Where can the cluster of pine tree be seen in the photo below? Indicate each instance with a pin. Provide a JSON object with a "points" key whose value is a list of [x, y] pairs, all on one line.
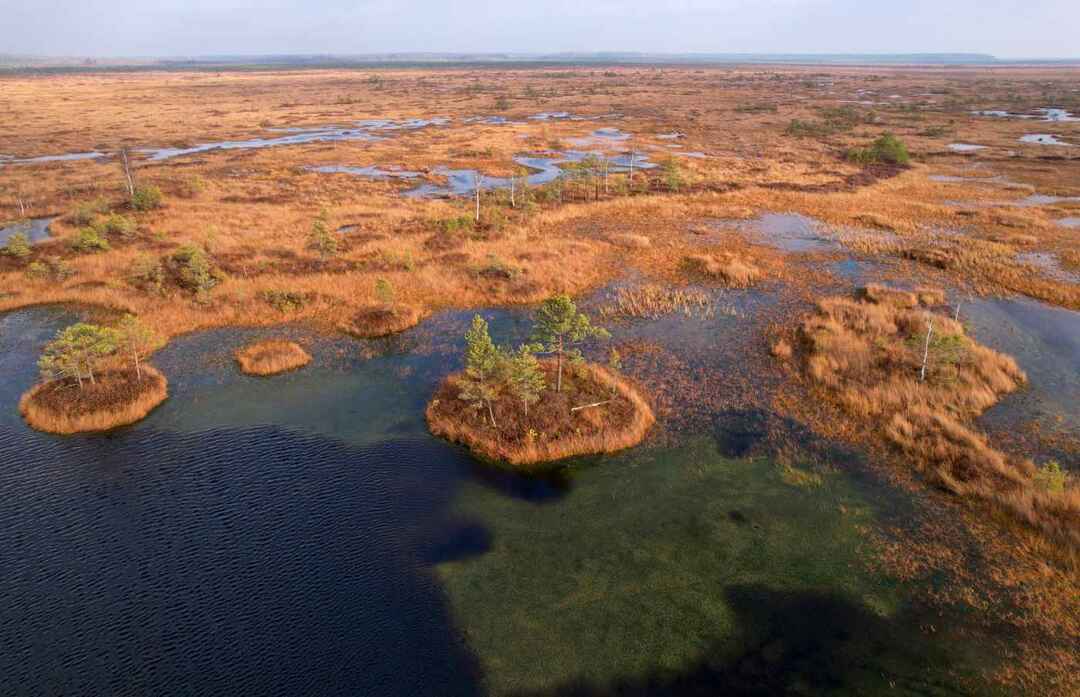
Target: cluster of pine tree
{"points": [[492, 372]]}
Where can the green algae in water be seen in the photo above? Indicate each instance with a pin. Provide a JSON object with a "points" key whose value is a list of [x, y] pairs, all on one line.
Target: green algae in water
{"points": [[663, 566]]}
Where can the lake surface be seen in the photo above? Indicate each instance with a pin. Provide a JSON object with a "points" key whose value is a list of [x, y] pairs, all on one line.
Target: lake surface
{"points": [[306, 535]]}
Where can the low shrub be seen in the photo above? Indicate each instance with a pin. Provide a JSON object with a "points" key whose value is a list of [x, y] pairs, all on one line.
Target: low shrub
{"points": [[284, 300], [90, 240], [85, 213], [193, 269], [115, 224], [146, 198], [18, 246], [147, 273], [888, 149]]}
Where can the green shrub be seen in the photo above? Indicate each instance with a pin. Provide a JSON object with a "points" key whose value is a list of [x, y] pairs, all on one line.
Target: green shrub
{"points": [[38, 271], [384, 291], [85, 213], [146, 273], [194, 270], [887, 149], [672, 174], [18, 246], [115, 224], [322, 240], [52, 268], [1051, 477], [192, 186], [462, 223], [146, 198], [90, 240], [284, 300]]}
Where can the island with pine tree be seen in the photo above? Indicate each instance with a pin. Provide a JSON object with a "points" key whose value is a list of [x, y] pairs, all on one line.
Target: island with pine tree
{"points": [[512, 406], [95, 378]]}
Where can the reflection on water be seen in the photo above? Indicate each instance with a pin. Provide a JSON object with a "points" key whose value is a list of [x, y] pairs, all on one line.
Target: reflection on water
{"points": [[1043, 139], [264, 536], [462, 182], [36, 230], [1045, 341]]}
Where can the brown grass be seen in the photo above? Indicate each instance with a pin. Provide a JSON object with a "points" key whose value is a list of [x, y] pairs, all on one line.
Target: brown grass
{"points": [[732, 270], [868, 353], [118, 398], [271, 357], [551, 431], [652, 301], [374, 322]]}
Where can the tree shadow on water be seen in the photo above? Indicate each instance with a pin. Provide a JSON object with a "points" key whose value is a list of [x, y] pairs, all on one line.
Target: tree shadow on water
{"points": [[796, 644]]}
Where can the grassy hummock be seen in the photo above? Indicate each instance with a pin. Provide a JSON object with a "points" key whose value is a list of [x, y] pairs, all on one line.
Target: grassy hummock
{"points": [[116, 398], [271, 357]]}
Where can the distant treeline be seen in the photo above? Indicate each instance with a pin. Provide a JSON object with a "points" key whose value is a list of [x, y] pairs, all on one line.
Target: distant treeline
{"points": [[26, 64]]}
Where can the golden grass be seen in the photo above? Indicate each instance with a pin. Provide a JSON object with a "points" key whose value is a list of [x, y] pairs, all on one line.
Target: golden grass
{"points": [[652, 301], [271, 357], [730, 269], [375, 322], [550, 432], [118, 398], [868, 354]]}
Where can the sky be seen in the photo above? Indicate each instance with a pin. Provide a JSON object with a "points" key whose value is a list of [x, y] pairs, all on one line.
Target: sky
{"points": [[122, 28]]}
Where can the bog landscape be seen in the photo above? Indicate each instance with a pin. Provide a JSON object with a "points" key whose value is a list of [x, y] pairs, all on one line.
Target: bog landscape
{"points": [[540, 380]]}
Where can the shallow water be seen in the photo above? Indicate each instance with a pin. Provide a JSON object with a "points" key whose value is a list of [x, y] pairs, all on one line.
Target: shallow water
{"points": [[35, 229], [42, 159], [1043, 114], [791, 232], [1045, 341], [366, 130], [1044, 139], [1069, 222], [463, 182], [966, 147], [267, 536]]}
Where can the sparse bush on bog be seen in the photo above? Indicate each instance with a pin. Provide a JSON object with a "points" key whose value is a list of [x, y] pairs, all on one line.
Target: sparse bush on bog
{"points": [[90, 240], [284, 300], [888, 149], [52, 268], [146, 198], [146, 273], [115, 224], [194, 270], [18, 246], [85, 213]]}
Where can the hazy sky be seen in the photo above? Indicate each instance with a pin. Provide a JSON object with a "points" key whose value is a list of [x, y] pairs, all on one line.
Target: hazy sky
{"points": [[1006, 28]]}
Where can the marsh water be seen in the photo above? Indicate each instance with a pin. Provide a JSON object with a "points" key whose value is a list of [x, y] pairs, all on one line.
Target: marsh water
{"points": [[306, 535]]}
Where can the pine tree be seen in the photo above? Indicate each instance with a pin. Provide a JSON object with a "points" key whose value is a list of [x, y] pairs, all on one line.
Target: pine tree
{"points": [[559, 326], [483, 363], [135, 339], [525, 376], [76, 350]]}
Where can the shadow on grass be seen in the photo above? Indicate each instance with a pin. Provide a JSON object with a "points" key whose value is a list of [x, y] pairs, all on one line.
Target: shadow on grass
{"points": [[802, 644]]}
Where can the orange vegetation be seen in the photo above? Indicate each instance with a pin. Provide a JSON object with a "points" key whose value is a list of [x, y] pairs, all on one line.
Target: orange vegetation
{"points": [[271, 357], [550, 431], [869, 355], [117, 398]]}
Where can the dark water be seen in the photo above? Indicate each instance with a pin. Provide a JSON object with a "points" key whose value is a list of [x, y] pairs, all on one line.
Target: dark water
{"points": [[305, 535]]}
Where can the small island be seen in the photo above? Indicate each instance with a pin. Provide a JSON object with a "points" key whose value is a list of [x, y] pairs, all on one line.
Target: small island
{"points": [[271, 357], [513, 407], [94, 379]]}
